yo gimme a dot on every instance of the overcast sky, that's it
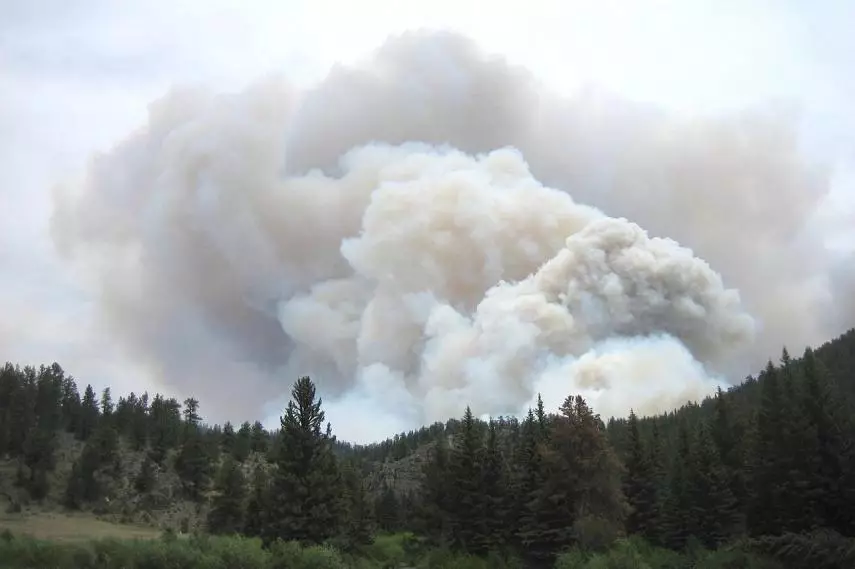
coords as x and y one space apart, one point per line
76 77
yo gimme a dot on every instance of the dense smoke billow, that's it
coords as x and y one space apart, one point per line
433 228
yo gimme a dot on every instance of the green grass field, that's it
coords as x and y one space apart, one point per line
66 527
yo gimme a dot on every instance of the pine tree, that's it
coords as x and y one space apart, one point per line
48 402
227 438
105 445
165 427
358 526
22 419
594 463
139 423
192 419
830 491
794 452
713 513
542 419
494 483
74 488
386 509
727 436
658 473
305 500
146 478
39 460
259 438
436 498
227 510
639 486
582 482
89 414
193 463
83 485
527 480
107 406
40 440
9 390
243 442
767 511
467 519
71 405
676 522
256 507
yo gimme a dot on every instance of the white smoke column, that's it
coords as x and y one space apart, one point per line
648 373
419 278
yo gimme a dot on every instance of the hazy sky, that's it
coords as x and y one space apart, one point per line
75 77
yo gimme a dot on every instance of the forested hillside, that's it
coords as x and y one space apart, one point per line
766 468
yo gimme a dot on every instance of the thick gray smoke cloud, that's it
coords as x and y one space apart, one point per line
411 233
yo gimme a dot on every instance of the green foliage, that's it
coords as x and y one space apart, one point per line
256 507
639 485
467 499
305 501
146 478
227 508
357 525
634 553
817 550
772 458
386 507
243 442
193 462
593 533
194 553
388 550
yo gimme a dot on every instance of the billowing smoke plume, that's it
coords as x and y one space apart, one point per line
411 233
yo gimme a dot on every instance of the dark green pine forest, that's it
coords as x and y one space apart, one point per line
760 475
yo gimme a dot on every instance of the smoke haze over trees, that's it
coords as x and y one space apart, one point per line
764 469
422 240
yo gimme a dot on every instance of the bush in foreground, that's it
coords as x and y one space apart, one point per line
394 551
634 553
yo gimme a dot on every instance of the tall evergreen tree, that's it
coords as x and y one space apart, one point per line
227 509
676 521
436 502
658 474
89 414
71 405
767 506
146 478
582 482
527 480
639 486
257 506
165 426
10 387
728 438
139 423
713 509
227 438
467 515
83 485
830 489
305 501
542 419
793 455
358 516
386 509
243 442
494 487
259 438
193 462
107 406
